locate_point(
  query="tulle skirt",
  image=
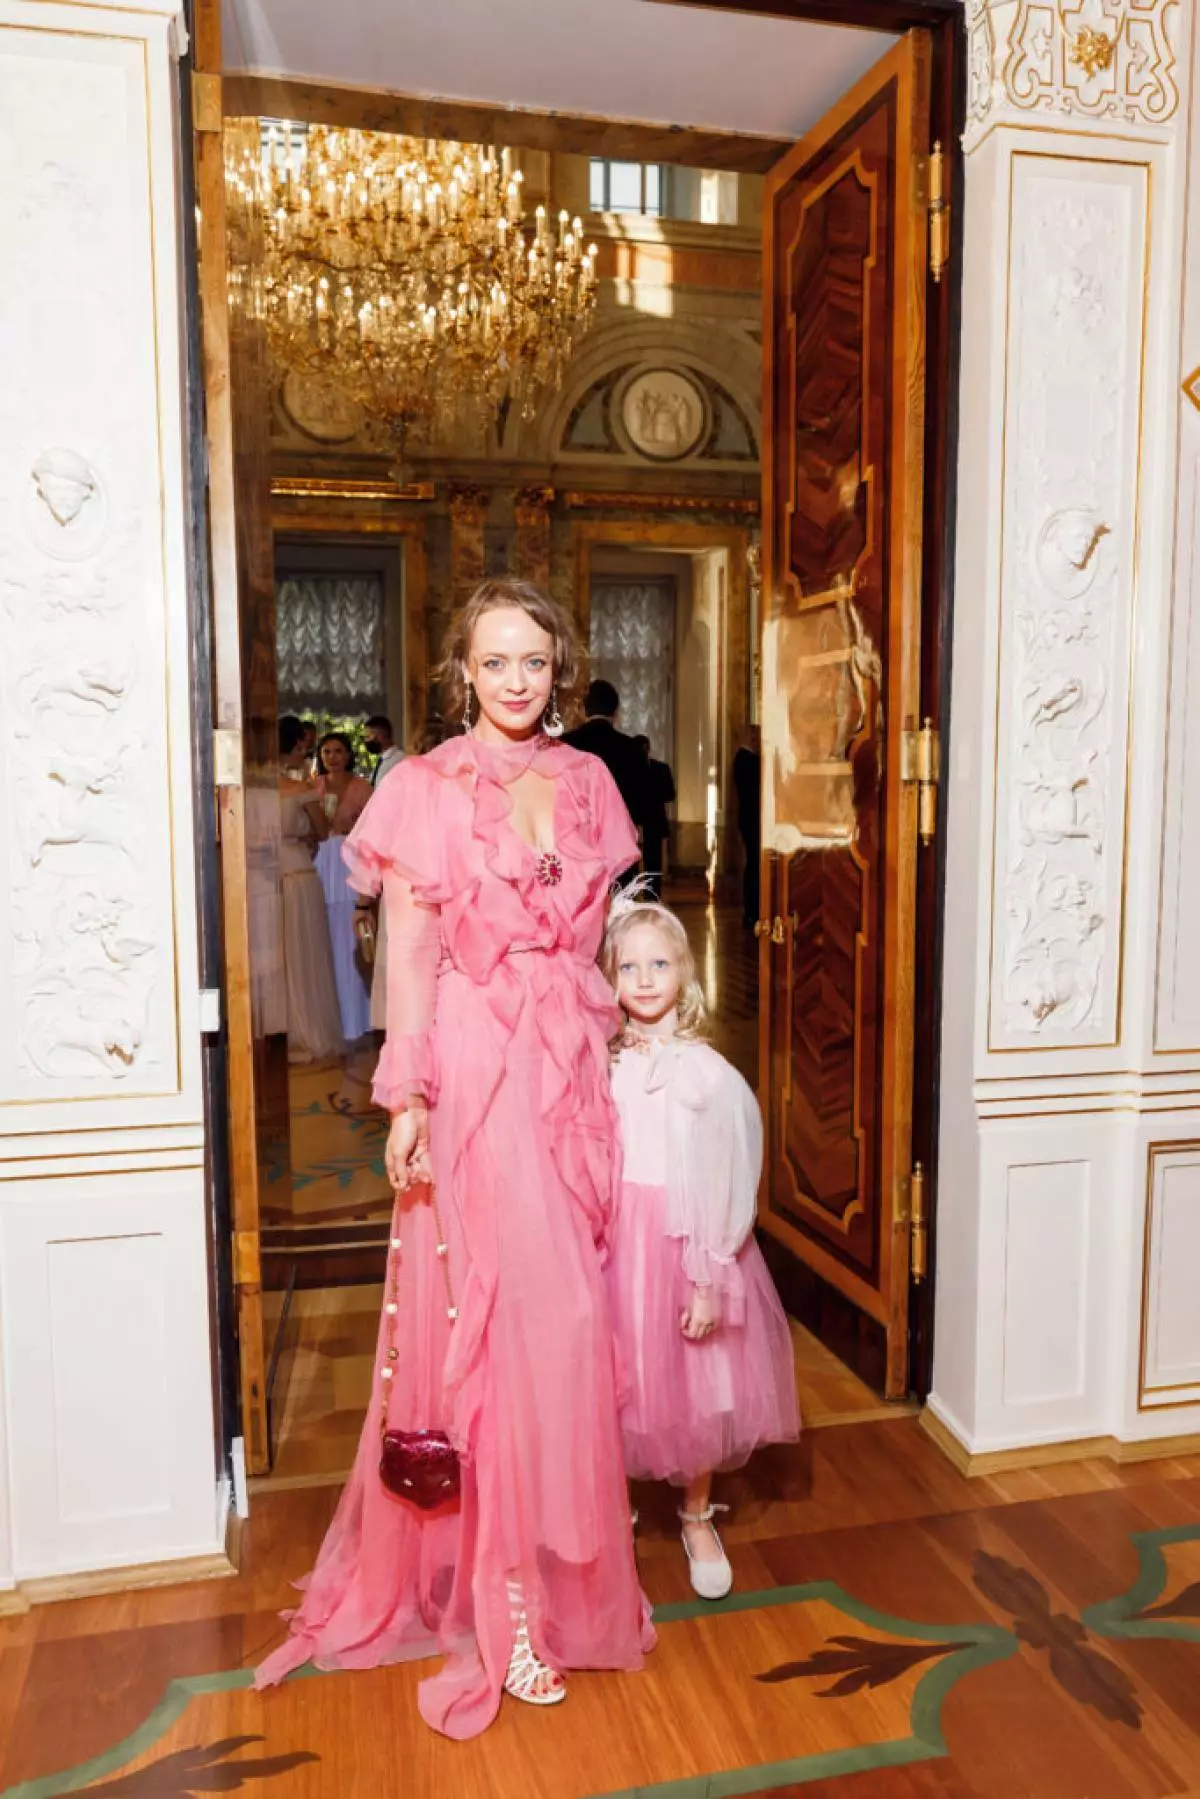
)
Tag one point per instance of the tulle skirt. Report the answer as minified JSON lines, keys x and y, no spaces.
{"x":313,"y":1022}
{"x":354,"y":997}
{"x":693,"y":1408}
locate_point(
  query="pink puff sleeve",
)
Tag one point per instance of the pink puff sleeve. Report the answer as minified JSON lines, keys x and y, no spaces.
{"x":616,"y":839}
{"x":395,"y":849}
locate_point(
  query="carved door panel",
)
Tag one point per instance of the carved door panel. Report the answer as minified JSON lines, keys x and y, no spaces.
{"x":247,"y":805}
{"x":844,"y":282}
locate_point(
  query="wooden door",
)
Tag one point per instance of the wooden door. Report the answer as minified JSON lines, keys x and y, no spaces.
{"x":243,"y":597}
{"x":844,"y":296}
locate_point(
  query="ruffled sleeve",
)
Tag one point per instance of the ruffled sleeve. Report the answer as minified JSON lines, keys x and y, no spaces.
{"x":396,"y":848}
{"x":616,"y":839}
{"x":402,"y":828}
{"x":715,"y":1148}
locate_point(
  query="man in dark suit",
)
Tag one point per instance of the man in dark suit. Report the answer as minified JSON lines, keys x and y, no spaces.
{"x":659,"y":793}
{"x":599,"y":736}
{"x":747,"y":785}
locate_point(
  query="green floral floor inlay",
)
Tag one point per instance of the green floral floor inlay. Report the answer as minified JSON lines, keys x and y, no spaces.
{"x":853,"y":1663}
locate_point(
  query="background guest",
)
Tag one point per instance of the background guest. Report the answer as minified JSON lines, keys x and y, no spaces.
{"x":747,"y":785}
{"x":380,"y":741}
{"x":658,"y":794}
{"x":314,"y":1026}
{"x":343,"y":796}
{"x":599,"y":736}
{"x":309,"y":763}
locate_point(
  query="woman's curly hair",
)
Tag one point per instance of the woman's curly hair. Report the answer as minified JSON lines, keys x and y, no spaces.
{"x":490,"y":597}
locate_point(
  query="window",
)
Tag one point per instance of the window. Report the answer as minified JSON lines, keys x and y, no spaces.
{"x":633,"y":646}
{"x":329,"y":638}
{"x":627,"y":187}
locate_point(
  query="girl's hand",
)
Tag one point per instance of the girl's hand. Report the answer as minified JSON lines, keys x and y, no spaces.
{"x":701,"y":1318}
{"x":406,"y":1157}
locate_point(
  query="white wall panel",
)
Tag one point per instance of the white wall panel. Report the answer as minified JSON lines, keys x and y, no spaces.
{"x":96,"y":883}
{"x":1075,"y":201}
{"x":106,"y":1320}
{"x":1076,"y":275}
{"x":106,"y":1415}
{"x":110,"y":1363}
{"x":1046,"y":1267}
{"x":1171,"y":1316}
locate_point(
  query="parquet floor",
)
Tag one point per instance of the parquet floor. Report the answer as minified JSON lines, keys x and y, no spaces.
{"x":896,"y":1632}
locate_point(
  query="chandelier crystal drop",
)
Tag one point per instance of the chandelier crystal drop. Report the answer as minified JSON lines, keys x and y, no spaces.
{"x":401,"y":269}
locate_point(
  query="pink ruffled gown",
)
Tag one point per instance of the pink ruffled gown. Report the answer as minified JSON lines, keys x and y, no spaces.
{"x":498,"y":1012}
{"x":693,"y":1155}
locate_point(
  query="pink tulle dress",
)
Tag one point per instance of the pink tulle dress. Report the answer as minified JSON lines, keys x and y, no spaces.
{"x":693,"y":1155}
{"x":498,"y":1013}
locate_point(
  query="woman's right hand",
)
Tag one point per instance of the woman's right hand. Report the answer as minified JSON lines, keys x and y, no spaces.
{"x":406,"y":1157}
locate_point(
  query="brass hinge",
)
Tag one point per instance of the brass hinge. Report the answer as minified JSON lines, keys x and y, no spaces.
{"x":918,"y":1225}
{"x":206,"y":101}
{"x":247,"y":1268}
{"x":921,"y":761}
{"x":939,"y":214}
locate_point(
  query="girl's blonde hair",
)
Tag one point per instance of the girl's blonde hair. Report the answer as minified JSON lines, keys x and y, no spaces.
{"x":490,"y":596}
{"x":690,"y":1010}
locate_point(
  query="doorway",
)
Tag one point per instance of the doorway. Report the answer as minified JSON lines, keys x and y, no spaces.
{"x":796,"y":979}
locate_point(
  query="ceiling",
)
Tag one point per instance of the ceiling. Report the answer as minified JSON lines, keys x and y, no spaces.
{"x":620,"y":59}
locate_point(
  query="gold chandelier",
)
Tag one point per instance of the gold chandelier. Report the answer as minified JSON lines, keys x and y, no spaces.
{"x":401,"y":271}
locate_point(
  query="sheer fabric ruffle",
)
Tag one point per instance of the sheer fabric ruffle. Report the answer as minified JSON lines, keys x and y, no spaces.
{"x":502,"y":1018}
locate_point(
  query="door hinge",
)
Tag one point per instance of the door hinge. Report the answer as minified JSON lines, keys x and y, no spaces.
{"x":247,"y":1268}
{"x":939,"y":213}
{"x":921,"y":761}
{"x":918,"y":1225}
{"x":206,"y":101}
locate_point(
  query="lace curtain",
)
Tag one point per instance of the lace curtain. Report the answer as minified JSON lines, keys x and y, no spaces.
{"x":329,"y":634}
{"x":633,"y":646}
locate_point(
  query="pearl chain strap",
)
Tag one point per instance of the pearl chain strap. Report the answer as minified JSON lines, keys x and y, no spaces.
{"x":392,"y":1302}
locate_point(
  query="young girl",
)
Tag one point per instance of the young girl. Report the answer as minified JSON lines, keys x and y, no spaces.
{"x":702,"y":1339}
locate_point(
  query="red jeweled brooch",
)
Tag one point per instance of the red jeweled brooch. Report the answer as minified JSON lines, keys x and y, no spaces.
{"x":549,"y":869}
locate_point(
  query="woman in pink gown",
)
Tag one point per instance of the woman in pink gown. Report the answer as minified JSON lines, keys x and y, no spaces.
{"x":495,"y":853}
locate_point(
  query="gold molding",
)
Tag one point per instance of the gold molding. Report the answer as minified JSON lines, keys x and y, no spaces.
{"x":662,"y":502}
{"x":1048,"y":1455}
{"x":1191,"y":387}
{"x":304,"y":487}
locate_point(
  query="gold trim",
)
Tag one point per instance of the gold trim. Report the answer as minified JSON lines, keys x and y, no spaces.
{"x":1154,"y":1153}
{"x":47,"y":1589}
{"x":302,"y":487}
{"x":1146,"y":166}
{"x":663,"y":502}
{"x":974,"y":1466}
{"x":1190,"y":387}
{"x":84,"y":1174}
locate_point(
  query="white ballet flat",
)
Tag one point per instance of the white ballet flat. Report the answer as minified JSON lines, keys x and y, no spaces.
{"x":710,"y":1580}
{"x":525,"y":1669}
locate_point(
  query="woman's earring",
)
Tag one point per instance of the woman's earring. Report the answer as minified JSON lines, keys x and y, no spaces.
{"x":468,"y":720}
{"x":552,"y":723}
